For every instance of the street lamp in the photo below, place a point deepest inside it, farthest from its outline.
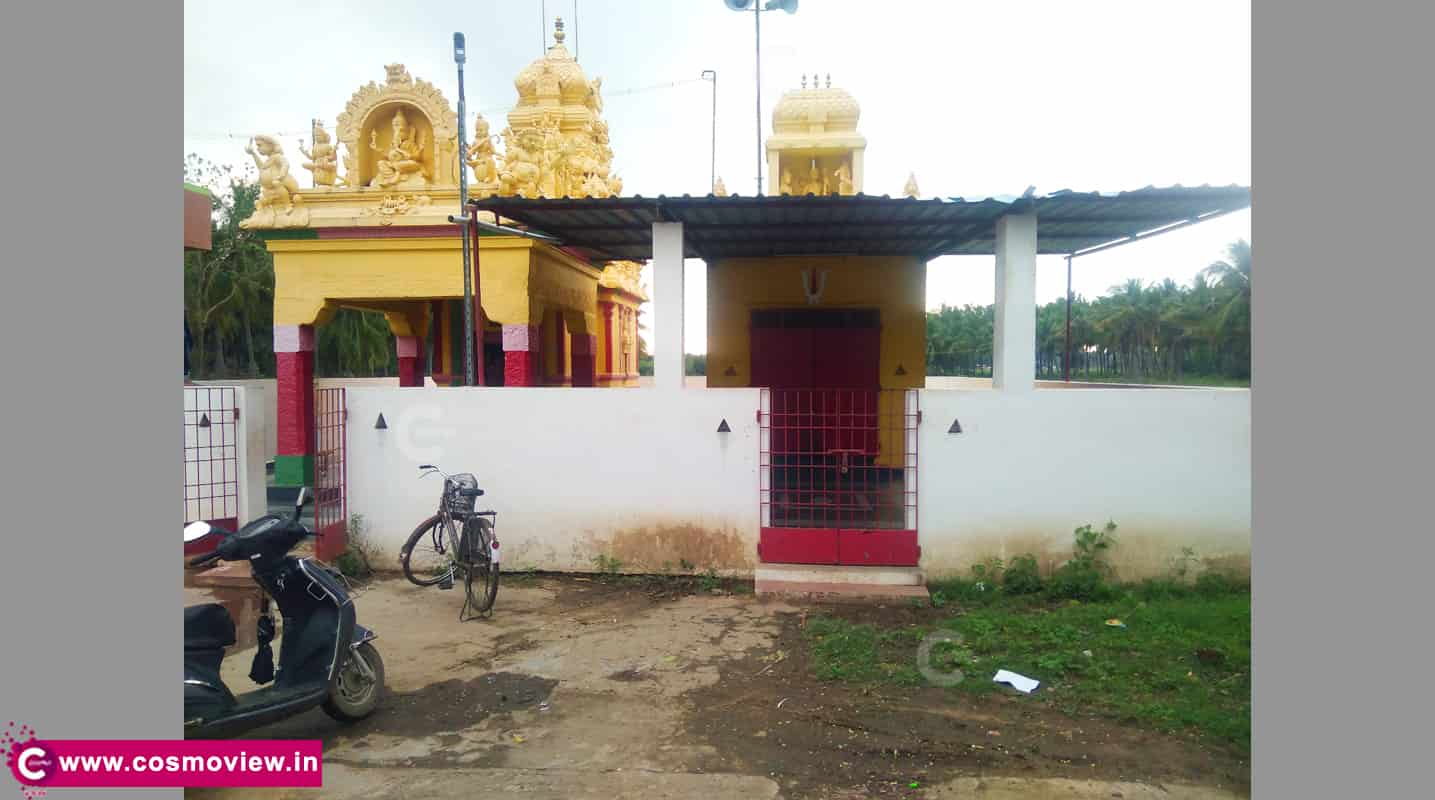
(790, 6)
(460, 56)
(711, 75)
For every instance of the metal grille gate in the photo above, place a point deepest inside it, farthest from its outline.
(838, 476)
(331, 506)
(211, 459)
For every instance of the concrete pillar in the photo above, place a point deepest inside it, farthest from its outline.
(521, 366)
(1014, 342)
(253, 496)
(585, 357)
(411, 365)
(668, 364)
(294, 406)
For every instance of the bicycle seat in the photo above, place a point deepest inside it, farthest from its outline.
(470, 492)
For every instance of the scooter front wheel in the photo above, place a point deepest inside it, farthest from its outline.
(356, 694)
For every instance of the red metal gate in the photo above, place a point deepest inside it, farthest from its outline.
(331, 506)
(211, 460)
(838, 476)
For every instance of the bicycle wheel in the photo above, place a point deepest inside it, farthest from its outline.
(424, 563)
(480, 573)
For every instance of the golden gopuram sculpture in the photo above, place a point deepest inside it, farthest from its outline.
(815, 147)
(401, 153)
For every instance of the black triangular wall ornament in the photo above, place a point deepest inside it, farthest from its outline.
(956, 426)
(901, 370)
(723, 428)
(204, 420)
(730, 372)
(381, 424)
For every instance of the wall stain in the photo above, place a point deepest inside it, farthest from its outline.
(662, 546)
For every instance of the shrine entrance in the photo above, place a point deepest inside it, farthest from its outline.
(838, 454)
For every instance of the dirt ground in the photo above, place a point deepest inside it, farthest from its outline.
(581, 687)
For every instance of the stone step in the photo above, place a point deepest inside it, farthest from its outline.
(819, 580)
(836, 573)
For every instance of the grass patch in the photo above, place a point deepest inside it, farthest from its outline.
(1183, 661)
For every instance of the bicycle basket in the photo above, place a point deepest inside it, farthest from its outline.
(457, 503)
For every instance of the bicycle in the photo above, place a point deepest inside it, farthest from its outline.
(456, 541)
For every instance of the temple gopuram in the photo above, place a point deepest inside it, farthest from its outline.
(372, 232)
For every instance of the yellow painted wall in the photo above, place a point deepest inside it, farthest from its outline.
(897, 287)
(560, 282)
(310, 273)
(519, 277)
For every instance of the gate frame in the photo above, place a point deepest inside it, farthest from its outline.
(841, 546)
(331, 473)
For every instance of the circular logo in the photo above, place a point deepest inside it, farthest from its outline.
(33, 763)
(422, 419)
(938, 656)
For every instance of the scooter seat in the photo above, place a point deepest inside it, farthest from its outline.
(208, 627)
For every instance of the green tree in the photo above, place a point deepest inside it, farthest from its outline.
(228, 291)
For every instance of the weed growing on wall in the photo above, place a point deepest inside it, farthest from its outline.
(357, 559)
(607, 564)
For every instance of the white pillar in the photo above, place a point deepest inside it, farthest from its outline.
(250, 435)
(668, 366)
(1014, 342)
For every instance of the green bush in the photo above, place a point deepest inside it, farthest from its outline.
(1084, 576)
(1022, 576)
(1216, 584)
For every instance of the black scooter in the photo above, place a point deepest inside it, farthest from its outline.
(326, 658)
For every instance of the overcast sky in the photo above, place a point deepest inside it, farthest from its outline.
(977, 98)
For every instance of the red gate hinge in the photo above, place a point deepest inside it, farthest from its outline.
(759, 416)
(919, 416)
(236, 413)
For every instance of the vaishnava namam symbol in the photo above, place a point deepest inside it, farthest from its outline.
(813, 282)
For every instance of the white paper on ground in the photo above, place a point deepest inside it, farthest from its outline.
(1021, 683)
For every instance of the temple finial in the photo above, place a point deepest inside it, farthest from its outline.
(829, 80)
(558, 30)
(804, 80)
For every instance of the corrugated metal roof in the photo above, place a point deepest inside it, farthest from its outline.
(735, 226)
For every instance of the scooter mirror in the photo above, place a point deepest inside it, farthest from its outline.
(195, 531)
(302, 498)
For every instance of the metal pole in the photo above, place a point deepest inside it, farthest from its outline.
(757, 27)
(477, 312)
(1067, 368)
(712, 171)
(463, 209)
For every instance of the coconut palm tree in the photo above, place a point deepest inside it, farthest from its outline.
(1233, 318)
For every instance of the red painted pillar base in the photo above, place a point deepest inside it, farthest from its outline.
(520, 355)
(411, 368)
(585, 354)
(294, 436)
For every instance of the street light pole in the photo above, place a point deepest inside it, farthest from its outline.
(459, 56)
(711, 74)
(758, 6)
(757, 26)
